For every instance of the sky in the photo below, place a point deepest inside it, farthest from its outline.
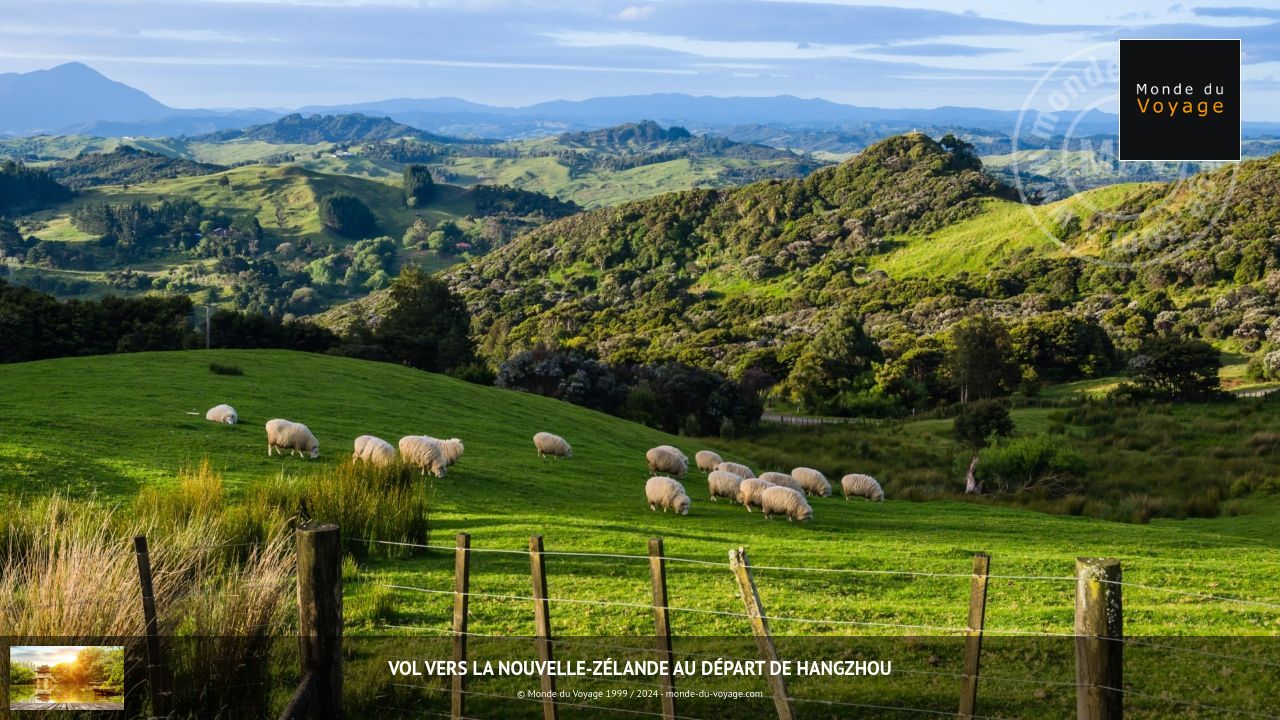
(44, 654)
(900, 53)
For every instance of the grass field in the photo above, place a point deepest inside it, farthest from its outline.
(104, 427)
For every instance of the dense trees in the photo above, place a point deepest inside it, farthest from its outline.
(24, 189)
(979, 360)
(418, 186)
(831, 365)
(427, 326)
(1176, 369)
(347, 215)
(126, 165)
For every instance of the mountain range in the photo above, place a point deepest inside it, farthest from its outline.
(73, 98)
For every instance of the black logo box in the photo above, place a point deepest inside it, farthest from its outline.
(1185, 65)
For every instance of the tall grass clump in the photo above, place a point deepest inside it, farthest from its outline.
(369, 503)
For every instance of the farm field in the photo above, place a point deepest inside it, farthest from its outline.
(102, 428)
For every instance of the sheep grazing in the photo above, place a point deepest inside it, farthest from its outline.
(812, 481)
(785, 501)
(783, 479)
(552, 445)
(373, 450)
(663, 492)
(707, 460)
(666, 459)
(723, 484)
(749, 491)
(677, 451)
(452, 450)
(295, 437)
(222, 414)
(863, 486)
(738, 469)
(424, 453)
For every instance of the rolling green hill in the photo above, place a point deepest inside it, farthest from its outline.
(106, 426)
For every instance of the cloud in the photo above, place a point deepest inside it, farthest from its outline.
(1238, 11)
(937, 50)
(635, 12)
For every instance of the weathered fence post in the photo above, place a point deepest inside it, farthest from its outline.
(461, 588)
(320, 619)
(760, 627)
(973, 635)
(1099, 640)
(155, 662)
(662, 626)
(542, 626)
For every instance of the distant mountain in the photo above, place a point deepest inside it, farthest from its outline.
(67, 95)
(189, 122)
(348, 128)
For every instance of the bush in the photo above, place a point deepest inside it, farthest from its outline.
(1035, 463)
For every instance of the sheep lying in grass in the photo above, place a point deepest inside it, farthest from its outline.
(552, 445)
(785, 501)
(723, 485)
(813, 482)
(707, 460)
(663, 492)
(373, 450)
(424, 453)
(295, 437)
(738, 469)
(222, 414)
(749, 491)
(783, 479)
(666, 459)
(863, 486)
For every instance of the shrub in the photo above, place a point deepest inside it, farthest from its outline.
(1033, 463)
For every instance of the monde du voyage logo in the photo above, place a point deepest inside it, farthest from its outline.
(1179, 100)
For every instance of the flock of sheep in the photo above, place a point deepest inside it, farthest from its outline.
(775, 493)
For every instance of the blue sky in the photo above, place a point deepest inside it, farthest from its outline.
(909, 53)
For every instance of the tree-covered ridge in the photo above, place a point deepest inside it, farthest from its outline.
(24, 189)
(348, 128)
(627, 135)
(778, 277)
(127, 165)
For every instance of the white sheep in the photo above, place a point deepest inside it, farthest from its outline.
(863, 486)
(373, 450)
(666, 459)
(749, 492)
(452, 450)
(553, 445)
(707, 460)
(666, 493)
(222, 414)
(813, 482)
(783, 479)
(738, 469)
(295, 437)
(424, 453)
(677, 451)
(785, 501)
(723, 484)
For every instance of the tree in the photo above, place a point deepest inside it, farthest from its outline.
(21, 673)
(418, 186)
(980, 358)
(839, 353)
(1174, 368)
(974, 427)
(428, 326)
(347, 215)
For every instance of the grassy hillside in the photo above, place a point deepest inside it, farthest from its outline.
(106, 426)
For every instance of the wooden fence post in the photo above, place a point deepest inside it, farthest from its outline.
(662, 627)
(542, 626)
(973, 635)
(320, 617)
(461, 586)
(1099, 640)
(159, 689)
(760, 627)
